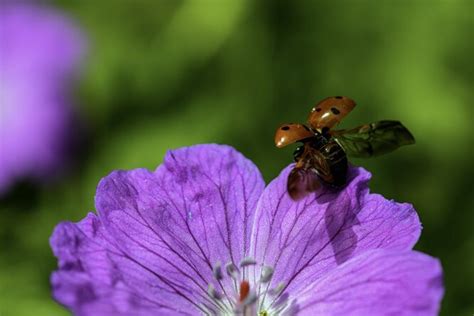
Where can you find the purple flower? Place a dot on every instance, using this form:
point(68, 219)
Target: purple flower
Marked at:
point(39, 50)
point(202, 235)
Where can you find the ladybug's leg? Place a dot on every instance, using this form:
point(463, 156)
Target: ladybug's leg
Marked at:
point(298, 153)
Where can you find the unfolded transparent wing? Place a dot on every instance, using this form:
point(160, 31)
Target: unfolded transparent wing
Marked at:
point(373, 139)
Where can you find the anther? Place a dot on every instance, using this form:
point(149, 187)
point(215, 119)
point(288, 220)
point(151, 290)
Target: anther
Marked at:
point(277, 290)
point(217, 271)
point(232, 270)
point(267, 274)
point(211, 290)
point(247, 261)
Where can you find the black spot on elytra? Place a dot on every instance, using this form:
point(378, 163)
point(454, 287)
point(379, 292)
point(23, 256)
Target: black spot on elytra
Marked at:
point(338, 97)
point(318, 109)
point(285, 128)
point(335, 111)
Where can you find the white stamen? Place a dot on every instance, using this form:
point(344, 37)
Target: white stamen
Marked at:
point(251, 298)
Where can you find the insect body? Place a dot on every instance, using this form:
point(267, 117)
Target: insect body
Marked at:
point(323, 156)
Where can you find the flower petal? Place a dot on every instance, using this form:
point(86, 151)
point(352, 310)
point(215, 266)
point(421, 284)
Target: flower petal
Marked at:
point(164, 230)
point(303, 240)
point(378, 282)
point(87, 281)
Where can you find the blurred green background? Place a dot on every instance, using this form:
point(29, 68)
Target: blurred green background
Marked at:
point(166, 74)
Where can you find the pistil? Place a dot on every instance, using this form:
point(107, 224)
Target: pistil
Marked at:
point(244, 290)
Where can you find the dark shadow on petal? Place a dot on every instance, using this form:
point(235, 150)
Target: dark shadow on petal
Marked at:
point(339, 218)
point(328, 193)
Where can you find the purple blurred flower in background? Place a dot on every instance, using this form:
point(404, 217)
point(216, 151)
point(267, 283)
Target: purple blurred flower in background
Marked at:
point(39, 52)
point(202, 235)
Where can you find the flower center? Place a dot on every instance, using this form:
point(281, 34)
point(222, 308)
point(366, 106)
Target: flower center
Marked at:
point(239, 293)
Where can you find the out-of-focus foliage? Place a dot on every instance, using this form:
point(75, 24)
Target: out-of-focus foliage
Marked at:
point(165, 74)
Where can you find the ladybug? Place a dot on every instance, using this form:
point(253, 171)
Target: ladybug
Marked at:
point(321, 159)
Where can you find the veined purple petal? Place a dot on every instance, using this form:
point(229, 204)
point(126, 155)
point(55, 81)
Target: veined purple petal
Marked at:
point(162, 232)
point(304, 240)
point(378, 282)
point(87, 281)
